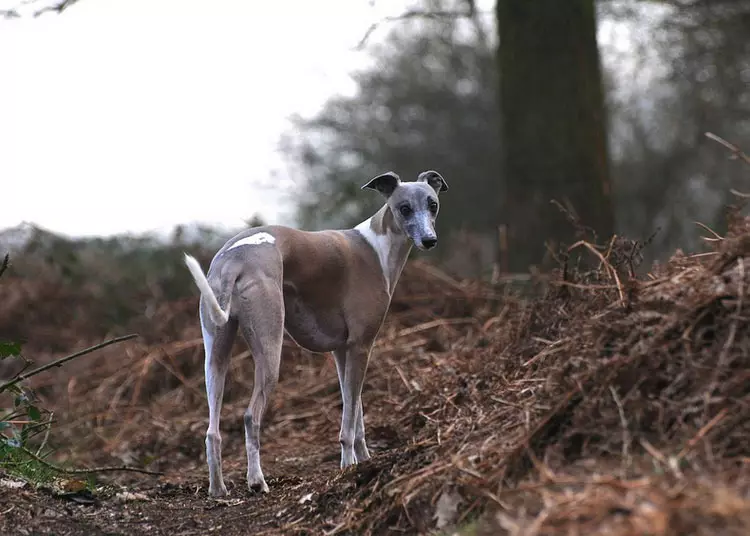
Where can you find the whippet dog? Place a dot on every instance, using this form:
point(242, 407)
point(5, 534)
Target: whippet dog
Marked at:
point(328, 290)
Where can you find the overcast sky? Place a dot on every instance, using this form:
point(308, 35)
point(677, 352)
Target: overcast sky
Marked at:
point(137, 115)
point(131, 115)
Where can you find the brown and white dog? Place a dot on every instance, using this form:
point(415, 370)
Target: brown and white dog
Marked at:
point(329, 290)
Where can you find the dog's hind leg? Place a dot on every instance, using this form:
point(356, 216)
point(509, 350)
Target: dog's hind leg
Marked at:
point(217, 341)
point(262, 325)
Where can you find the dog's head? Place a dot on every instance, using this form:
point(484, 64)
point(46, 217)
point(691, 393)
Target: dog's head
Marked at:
point(414, 205)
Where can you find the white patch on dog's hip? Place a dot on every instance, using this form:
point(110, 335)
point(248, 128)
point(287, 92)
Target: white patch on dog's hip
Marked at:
point(254, 240)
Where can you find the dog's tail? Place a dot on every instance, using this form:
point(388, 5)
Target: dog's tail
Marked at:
point(218, 315)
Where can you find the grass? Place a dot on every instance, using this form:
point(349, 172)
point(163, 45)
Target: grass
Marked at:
point(15, 462)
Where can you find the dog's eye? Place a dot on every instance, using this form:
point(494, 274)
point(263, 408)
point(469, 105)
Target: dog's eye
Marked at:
point(405, 211)
point(432, 206)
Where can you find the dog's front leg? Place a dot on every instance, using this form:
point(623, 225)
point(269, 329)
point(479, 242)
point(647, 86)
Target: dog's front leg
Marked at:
point(360, 446)
point(355, 361)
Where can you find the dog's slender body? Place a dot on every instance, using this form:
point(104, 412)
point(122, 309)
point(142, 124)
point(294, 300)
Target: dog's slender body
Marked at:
point(328, 290)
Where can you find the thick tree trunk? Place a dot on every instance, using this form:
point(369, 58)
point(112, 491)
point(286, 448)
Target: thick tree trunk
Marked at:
point(553, 125)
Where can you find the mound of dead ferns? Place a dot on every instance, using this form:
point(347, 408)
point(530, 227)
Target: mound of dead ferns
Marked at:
point(608, 404)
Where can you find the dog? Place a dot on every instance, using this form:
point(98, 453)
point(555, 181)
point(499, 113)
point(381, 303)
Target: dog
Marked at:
point(328, 290)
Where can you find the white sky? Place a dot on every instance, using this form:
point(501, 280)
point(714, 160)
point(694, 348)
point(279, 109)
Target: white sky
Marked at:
point(137, 115)
point(133, 115)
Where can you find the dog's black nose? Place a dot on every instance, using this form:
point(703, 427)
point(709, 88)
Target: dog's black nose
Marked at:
point(429, 243)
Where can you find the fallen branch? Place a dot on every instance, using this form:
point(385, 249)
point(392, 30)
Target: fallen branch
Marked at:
point(63, 360)
point(110, 469)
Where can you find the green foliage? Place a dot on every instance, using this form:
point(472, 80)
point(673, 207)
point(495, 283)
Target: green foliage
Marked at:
point(20, 424)
point(23, 420)
point(16, 462)
point(9, 349)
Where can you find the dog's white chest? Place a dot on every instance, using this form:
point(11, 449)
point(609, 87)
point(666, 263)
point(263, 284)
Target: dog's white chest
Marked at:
point(254, 240)
point(382, 246)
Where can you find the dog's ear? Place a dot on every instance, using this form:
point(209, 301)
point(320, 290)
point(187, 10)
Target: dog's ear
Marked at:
point(385, 183)
point(434, 179)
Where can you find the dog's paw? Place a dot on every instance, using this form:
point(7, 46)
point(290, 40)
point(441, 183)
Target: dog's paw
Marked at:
point(257, 485)
point(361, 454)
point(218, 492)
point(348, 459)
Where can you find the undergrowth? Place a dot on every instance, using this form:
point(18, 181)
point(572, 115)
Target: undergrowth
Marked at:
point(25, 425)
point(22, 422)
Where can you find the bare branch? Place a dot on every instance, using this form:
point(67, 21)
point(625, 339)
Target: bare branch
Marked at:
point(416, 14)
point(736, 151)
point(108, 469)
point(62, 360)
point(55, 7)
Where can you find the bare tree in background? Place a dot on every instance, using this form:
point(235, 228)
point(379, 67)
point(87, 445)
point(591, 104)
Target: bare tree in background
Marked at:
point(36, 8)
point(691, 76)
point(511, 144)
point(553, 125)
point(429, 101)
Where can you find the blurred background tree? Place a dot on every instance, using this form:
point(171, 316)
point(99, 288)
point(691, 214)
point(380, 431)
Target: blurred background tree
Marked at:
point(553, 123)
point(601, 105)
point(515, 109)
point(428, 102)
point(687, 72)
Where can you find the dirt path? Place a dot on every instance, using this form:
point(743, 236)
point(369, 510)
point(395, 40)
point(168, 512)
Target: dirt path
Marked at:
point(305, 498)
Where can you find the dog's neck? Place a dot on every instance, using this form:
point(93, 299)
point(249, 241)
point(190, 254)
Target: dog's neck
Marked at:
point(390, 243)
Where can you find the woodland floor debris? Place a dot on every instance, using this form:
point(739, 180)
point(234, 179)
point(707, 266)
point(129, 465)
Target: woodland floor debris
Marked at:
point(606, 405)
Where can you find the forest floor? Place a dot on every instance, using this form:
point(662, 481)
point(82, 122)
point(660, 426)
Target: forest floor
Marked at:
point(598, 402)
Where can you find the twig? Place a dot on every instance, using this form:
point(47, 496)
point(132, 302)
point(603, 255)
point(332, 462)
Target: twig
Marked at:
point(718, 238)
point(702, 432)
point(401, 375)
point(735, 150)
point(46, 434)
point(441, 275)
point(625, 431)
point(721, 361)
point(433, 324)
point(611, 245)
point(653, 451)
point(63, 360)
point(582, 286)
point(176, 373)
point(89, 471)
point(605, 262)
point(413, 14)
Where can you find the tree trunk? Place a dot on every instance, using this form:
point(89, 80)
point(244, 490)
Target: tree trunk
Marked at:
point(553, 126)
